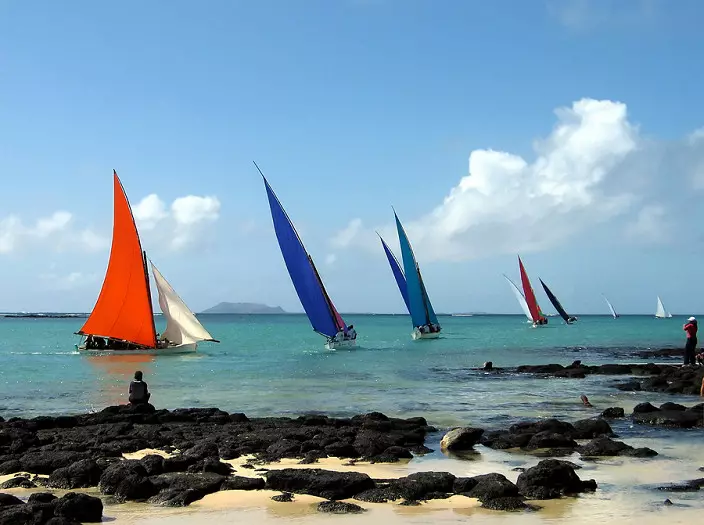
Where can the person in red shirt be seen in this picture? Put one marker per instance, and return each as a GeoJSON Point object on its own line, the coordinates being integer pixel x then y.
{"type": "Point", "coordinates": [690, 346]}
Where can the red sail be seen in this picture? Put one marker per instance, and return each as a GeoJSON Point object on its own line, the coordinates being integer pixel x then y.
{"type": "Point", "coordinates": [535, 312]}
{"type": "Point", "coordinates": [124, 308]}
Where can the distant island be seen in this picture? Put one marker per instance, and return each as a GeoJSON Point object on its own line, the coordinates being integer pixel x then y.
{"type": "Point", "coordinates": [243, 308]}
{"type": "Point", "coordinates": [40, 315]}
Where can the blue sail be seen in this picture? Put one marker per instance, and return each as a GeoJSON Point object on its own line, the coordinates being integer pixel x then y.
{"type": "Point", "coordinates": [303, 274]}
{"type": "Point", "coordinates": [431, 312]}
{"type": "Point", "coordinates": [416, 294]}
{"type": "Point", "coordinates": [398, 273]}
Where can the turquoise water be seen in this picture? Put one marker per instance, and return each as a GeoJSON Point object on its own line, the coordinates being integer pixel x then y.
{"type": "Point", "coordinates": [276, 365]}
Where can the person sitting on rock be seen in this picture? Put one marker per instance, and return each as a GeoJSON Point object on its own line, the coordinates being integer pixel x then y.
{"type": "Point", "coordinates": [139, 391]}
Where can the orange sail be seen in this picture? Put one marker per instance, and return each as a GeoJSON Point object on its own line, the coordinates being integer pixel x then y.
{"type": "Point", "coordinates": [124, 307]}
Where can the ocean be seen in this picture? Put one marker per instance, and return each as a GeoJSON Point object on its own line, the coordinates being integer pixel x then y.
{"type": "Point", "coordinates": [276, 364]}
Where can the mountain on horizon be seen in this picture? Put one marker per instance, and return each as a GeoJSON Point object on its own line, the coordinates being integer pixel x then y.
{"type": "Point", "coordinates": [243, 308]}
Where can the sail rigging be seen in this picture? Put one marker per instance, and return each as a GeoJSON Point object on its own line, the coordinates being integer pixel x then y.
{"type": "Point", "coordinates": [310, 289]}
{"type": "Point", "coordinates": [535, 312]}
{"type": "Point", "coordinates": [398, 273]}
{"type": "Point", "coordinates": [613, 312]}
{"type": "Point", "coordinates": [124, 310]}
{"type": "Point", "coordinates": [555, 302]}
{"type": "Point", "coordinates": [182, 326]}
{"type": "Point", "coordinates": [660, 311]}
{"type": "Point", "coordinates": [419, 306]}
{"type": "Point", "coordinates": [520, 298]}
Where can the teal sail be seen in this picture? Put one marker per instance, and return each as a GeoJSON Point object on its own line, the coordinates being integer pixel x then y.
{"type": "Point", "coordinates": [421, 310]}
{"type": "Point", "coordinates": [309, 287]}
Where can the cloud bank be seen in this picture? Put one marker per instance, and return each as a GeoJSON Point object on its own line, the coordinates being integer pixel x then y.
{"type": "Point", "coordinates": [592, 168]}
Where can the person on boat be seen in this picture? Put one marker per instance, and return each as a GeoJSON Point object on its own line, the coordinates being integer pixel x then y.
{"type": "Point", "coordinates": [90, 343]}
{"type": "Point", "coordinates": [571, 319]}
{"type": "Point", "coordinates": [99, 343]}
{"type": "Point", "coordinates": [139, 391]}
{"type": "Point", "coordinates": [423, 329]}
{"type": "Point", "coordinates": [351, 332]}
{"type": "Point", "coordinates": [690, 345]}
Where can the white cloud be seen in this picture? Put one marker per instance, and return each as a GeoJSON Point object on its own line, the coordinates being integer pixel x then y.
{"type": "Point", "coordinates": [507, 204]}
{"type": "Point", "coordinates": [53, 232]}
{"type": "Point", "coordinates": [330, 259]}
{"type": "Point", "coordinates": [193, 209]}
{"type": "Point", "coordinates": [149, 212]}
{"type": "Point", "coordinates": [696, 136]}
{"type": "Point", "coordinates": [650, 225]}
{"type": "Point", "coordinates": [343, 238]}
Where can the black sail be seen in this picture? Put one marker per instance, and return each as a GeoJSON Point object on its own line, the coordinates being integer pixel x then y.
{"type": "Point", "coordinates": [555, 302]}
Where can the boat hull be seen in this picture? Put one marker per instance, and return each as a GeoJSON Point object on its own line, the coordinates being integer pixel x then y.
{"type": "Point", "coordinates": [170, 350]}
{"type": "Point", "coordinates": [341, 345]}
{"type": "Point", "coordinates": [417, 334]}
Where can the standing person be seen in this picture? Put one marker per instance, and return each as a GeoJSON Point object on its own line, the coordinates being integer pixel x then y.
{"type": "Point", "coordinates": [690, 346]}
{"type": "Point", "coordinates": [139, 391]}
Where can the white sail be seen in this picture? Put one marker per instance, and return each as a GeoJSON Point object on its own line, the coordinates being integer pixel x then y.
{"type": "Point", "coordinates": [613, 312]}
{"type": "Point", "coordinates": [660, 312]}
{"type": "Point", "coordinates": [521, 298]}
{"type": "Point", "coordinates": [182, 327]}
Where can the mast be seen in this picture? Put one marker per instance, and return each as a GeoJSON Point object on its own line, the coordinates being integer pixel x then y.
{"type": "Point", "coordinates": [149, 291]}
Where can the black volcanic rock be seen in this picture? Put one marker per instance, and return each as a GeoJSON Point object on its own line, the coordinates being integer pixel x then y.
{"type": "Point", "coordinates": [317, 482]}
{"type": "Point", "coordinates": [551, 479]}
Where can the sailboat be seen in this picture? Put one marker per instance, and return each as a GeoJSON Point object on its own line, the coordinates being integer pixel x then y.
{"type": "Point", "coordinates": [611, 308]}
{"type": "Point", "coordinates": [660, 311]}
{"type": "Point", "coordinates": [556, 303]}
{"type": "Point", "coordinates": [316, 302]}
{"type": "Point", "coordinates": [398, 273]}
{"type": "Point", "coordinates": [425, 322]}
{"type": "Point", "coordinates": [520, 298]}
{"type": "Point", "coordinates": [123, 314]}
{"type": "Point", "coordinates": [536, 314]}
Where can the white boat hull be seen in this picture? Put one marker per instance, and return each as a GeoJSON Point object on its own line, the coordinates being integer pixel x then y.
{"type": "Point", "coordinates": [341, 345]}
{"type": "Point", "coordinates": [170, 350]}
{"type": "Point", "coordinates": [417, 334]}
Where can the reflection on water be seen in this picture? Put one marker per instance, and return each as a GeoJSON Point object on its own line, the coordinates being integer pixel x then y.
{"type": "Point", "coordinates": [114, 373]}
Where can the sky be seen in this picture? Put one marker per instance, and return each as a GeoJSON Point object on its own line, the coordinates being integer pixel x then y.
{"type": "Point", "coordinates": [569, 131]}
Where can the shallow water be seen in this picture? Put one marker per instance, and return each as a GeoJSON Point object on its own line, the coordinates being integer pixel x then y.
{"type": "Point", "coordinates": [276, 364]}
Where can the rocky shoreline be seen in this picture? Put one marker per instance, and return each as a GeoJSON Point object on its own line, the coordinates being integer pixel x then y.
{"type": "Point", "coordinates": [647, 377]}
{"type": "Point", "coordinates": [198, 446]}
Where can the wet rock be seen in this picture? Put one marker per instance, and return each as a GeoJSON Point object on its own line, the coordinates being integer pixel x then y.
{"type": "Point", "coordinates": [10, 467]}
{"type": "Point", "coordinates": [153, 464]}
{"type": "Point", "coordinates": [629, 386]}
{"type": "Point", "coordinates": [460, 439]}
{"type": "Point", "coordinates": [613, 413]}
{"type": "Point", "coordinates": [392, 455]}
{"type": "Point", "coordinates": [181, 489]}
{"type": "Point", "coordinates": [420, 485]}
{"type": "Point", "coordinates": [644, 408]}
{"type": "Point", "coordinates": [670, 415]}
{"type": "Point", "coordinates": [18, 482]}
{"type": "Point", "coordinates": [46, 462]}
{"type": "Point", "coordinates": [509, 504]}
{"type": "Point", "coordinates": [284, 497]}
{"type": "Point", "coordinates": [7, 500]}
{"type": "Point", "coordinates": [203, 450]}
{"type": "Point", "coordinates": [667, 502]}
{"type": "Point", "coordinates": [84, 473]}
{"type": "Point", "coordinates": [551, 479]}
{"type": "Point", "coordinates": [550, 440]}
{"type": "Point", "coordinates": [41, 497]}
{"type": "Point", "coordinates": [603, 447]}
{"type": "Point", "coordinates": [62, 521]}
{"type": "Point", "coordinates": [591, 428]}
{"type": "Point", "coordinates": [126, 480]}
{"type": "Point", "coordinates": [540, 369]}
{"type": "Point", "coordinates": [409, 503]}
{"type": "Point", "coordinates": [213, 465]}
{"type": "Point", "coordinates": [243, 483]}
{"type": "Point", "coordinates": [317, 482]}
{"type": "Point", "coordinates": [79, 507]}
{"type": "Point", "coordinates": [491, 486]}
{"type": "Point", "coordinates": [686, 486]}
{"type": "Point", "coordinates": [339, 507]}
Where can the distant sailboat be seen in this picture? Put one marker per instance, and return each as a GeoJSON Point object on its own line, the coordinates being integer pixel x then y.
{"type": "Point", "coordinates": [536, 314]}
{"type": "Point", "coordinates": [321, 312]}
{"type": "Point", "coordinates": [123, 313]}
{"type": "Point", "coordinates": [397, 271]}
{"type": "Point", "coordinates": [613, 312]}
{"type": "Point", "coordinates": [556, 303]}
{"type": "Point", "coordinates": [520, 298]}
{"type": "Point", "coordinates": [660, 311]}
{"type": "Point", "coordinates": [425, 322]}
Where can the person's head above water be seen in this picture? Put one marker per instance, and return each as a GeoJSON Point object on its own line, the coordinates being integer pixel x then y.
{"type": "Point", "coordinates": [692, 319]}
{"type": "Point", "coordinates": [350, 326]}
{"type": "Point", "coordinates": [138, 375]}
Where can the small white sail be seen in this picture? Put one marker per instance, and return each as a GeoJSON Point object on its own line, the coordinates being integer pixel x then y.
{"type": "Point", "coordinates": [521, 299]}
{"type": "Point", "coordinates": [613, 312]}
{"type": "Point", "coordinates": [182, 326]}
{"type": "Point", "coordinates": [660, 311]}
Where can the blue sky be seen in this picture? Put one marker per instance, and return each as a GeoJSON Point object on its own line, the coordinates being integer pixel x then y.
{"type": "Point", "coordinates": [349, 107]}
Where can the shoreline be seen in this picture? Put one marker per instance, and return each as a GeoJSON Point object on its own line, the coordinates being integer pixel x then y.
{"type": "Point", "coordinates": [206, 460]}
